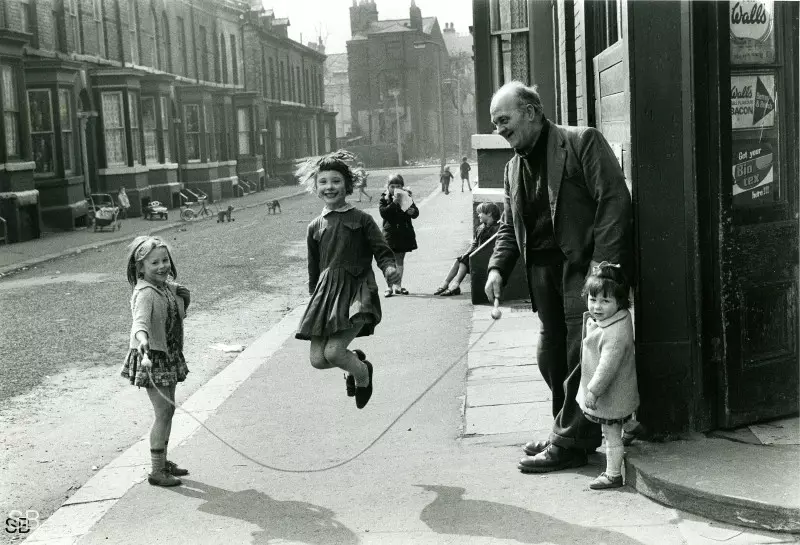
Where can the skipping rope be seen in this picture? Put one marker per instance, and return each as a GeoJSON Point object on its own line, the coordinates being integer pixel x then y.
{"type": "Point", "coordinates": [359, 453]}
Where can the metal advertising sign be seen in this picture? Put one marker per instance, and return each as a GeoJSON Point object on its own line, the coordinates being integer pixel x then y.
{"type": "Point", "coordinates": [752, 32]}
{"type": "Point", "coordinates": [753, 172]}
{"type": "Point", "coordinates": [752, 101]}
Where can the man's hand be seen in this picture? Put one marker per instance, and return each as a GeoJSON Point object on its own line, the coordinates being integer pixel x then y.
{"type": "Point", "coordinates": [494, 285]}
{"type": "Point", "coordinates": [392, 276]}
{"type": "Point", "coordinates": [183, 293]}
{"type": "Point", "coordinates": [590, 400]}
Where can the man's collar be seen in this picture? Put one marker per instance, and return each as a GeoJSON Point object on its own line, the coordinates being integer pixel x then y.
{"type": "Point", "coordinates": [345, 208]}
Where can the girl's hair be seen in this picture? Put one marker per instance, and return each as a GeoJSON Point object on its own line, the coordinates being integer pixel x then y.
{"type": "Point", "coordinates": [140, 248]}
{"type": "Point", "coordinates": [396, 179]}
{"type": "Point", "coordinates": [608, 279]}
{"type": "Point", "coordinates": [490, 209]}
{"type": "Point", "coordinates": [337, 161]}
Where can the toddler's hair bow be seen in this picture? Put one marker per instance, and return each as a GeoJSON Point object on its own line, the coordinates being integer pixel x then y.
{"type": "Point", "coordinates": [597, 269]}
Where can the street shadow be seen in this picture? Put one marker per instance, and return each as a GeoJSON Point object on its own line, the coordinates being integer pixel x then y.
{"type": "Point", "coordinates": [450, 513]}
{"type": "Point", "coordinates": [280, 521]}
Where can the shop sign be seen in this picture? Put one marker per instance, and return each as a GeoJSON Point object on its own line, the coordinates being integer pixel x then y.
{"type": "Point", "coordinates": [752, 101]}
{"type": "Point", "coordinates": [753, 172]}
{"type": "Point", "coordinates": [752, 32]}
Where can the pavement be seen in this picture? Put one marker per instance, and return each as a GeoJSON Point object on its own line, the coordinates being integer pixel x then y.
{"type": "Point", "coordinates": [484, 378]}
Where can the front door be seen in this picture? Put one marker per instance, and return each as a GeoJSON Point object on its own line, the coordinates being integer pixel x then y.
{"type": "Point", "coordinates": [758, 212]}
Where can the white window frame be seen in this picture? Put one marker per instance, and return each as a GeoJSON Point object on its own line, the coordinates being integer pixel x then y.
{"type": "Point", "coordinates": [97, 11]}
{"type": "Point", "coordinates": [244, 139]}
{"type": "Point", "coordinates": [193, 134]}
{"type": "Point", "coordinates": [133, 26]}
{"type": "Point", "coordinates": [165, 139]}
{"type": "Point", "coordinates": [120, 156]}
{"type": "Point", "coordinates": [150, 131]}
{"type": "Point", "coordinates": [11, 113]}
{"type": "Point", "coordinates": [278, 140]}
{"type": "Point", "coordinates": [133, 112]}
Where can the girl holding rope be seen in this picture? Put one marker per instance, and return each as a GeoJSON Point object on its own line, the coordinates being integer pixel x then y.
{"type": "Point", "coordinates": [155, 360]}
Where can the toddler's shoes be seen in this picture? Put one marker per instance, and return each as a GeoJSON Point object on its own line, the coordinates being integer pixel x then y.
{"type": "Point", "coordinates": [606, 481]}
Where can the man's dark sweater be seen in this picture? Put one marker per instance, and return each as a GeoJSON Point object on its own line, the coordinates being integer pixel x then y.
{"type": "Point", "coordinates": [542, 246]}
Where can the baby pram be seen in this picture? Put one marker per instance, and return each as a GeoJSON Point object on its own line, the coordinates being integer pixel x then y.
{"type": "Point", "coordinates": [106, 214]}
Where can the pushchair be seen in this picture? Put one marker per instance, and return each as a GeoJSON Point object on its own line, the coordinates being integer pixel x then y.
{"type": "Point", "coordinates": [106, 212]}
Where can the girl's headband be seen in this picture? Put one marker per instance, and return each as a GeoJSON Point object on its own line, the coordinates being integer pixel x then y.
{"type": "Point", "coordinates": [146, 246]}
{"type": "Point", "coordinates": [597, 269]}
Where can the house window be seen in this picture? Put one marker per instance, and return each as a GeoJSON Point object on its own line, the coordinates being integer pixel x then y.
{"type": "Point", "coordinates": [509, 41]}
{"type": "Point", "coordinates": [133, 25]}
{"type": "Point", "coordinates": [114, 129]}
{"type": "Point", "coordinates": [149, 129]}
{"type": "Point", "coordinates": [65, 116]}
{"type": "Point", "coordinates": [155, 41]}
{"type": "Point", "coordinates": [26, 15]}
{"type": "Point", "coordinates": [224, 56]}
{"type": "Point", "coordinates": [282, 81]}
{"type": "Point", "coordinates": [210, 152]}
{"type": "Point", "coordinates": [133, 111]}
{"type": "Point", "coordinates": [327, 131]}
{"type": "Point", "coordinates": [42, 134]}
{"type": "Point", "coordinates": [165, 131]}
{"type": "Point", "coordinates": [182, 44]}
{"type": "Point", "coordinates": [244, 130]}
{"type": "Point", "coordinates": [278, 140]}
{"type": "Point", "coordinates": [77, 36]}
{"type": "Point", "coordinates": [97, 8]}
{"type": "Point", "coordinates": [605, 16]}
{"type": "Point", "coordinates": [298, 87]}
{"type": "Point", "coordinates": [234, 60]}
{"type": "Point", "coordinates": [272, 79]}
{"type": "Point", "coordinates": [221, 133]}
{"type": "Point", "coordinates": [165, 43]}
{"type": "Point", "coordinates": [10, 111]}
{"type": "Point", "coordinates": [203, 45]}
{"type": "Point", "coordinates": [191, 114]}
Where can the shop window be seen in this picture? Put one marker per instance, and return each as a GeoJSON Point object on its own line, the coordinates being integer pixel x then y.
{"type": "Point", "coordinates": [509, 41]}
{"type": "Point", "coordinates": [165, 140]}
{"type": "Point", "coordinates": [133, 112]}
{"type": "Point", "coordinates": [133, 25]}
{"type": "Point", "coordinates": [42, 133]}
{"type": "Point", "coordinates": [114, 129]}
{"type": "Point", "coordinates": [757, 78]}
{"type": "Point", "coordinates": [244, 130]}
{"type": "Point", "coordinates": [278, 140]}
{"type": "Point", "coordinates": [10, 104]}
{"type": "Point", "coordinates": [67, 142]}
{"type": "Point", "coordinates": [191, 114]}
{"type": "Point", "coordinates": [221, 133]}
{"type": "Point", "coordinates": [149, 130]}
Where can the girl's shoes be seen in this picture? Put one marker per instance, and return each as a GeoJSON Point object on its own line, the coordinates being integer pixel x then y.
{"type": "Point", "coordinates": [350, 380]}
{"type": "Point", "coordinates": [448, 292]}
{"type": "Point", "coordinates": [173, 469]}
{"type": "Point", "coordinates": [163, 478]}
{"type": "Point", "coordinates": [606, 481]}
{"type": "Point", "coordinates": [402, 291]}
{"type": "Point", "coordinates": [363, 393]}
{"type": "Point", "coordinates": [388, 293]}
{"type": "Point", "coordinates": [440, 290]}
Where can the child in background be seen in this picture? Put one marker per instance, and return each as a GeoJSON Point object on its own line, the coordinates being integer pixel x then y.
{"type": "Point", "coordinates": [445, 178]}
{"type": "Point", "coordinates": [397, 226]}
{"type": "Point", "coordinates": [608, 394]}
{"type": "Point", "coordinates": [344, 303]}
{"type": "Point", "coordinates": [155, 360]}
{"type": "Point", "coordinates": [488, 215]}
{"type": "Point", "coordinates": [362, 182]}
{"type": "Point", "coordinates": [465, 168]}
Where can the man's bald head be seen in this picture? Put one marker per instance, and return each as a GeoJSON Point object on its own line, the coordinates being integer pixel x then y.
{"type": "Point", "coordinates": [523, 94]}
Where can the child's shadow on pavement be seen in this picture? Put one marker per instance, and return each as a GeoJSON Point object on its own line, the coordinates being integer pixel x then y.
{"type": "Point", "coordinates": [292, 521]}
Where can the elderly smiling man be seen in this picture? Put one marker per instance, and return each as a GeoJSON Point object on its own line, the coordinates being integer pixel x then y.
{"type": "Point", "coordinates": [566, 208]}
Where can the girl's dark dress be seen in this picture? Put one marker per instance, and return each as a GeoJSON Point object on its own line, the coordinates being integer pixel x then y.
{"type": "Point", "coordinates": [341, 245]}
{"type": "Point", "coordinates": [397, 227]}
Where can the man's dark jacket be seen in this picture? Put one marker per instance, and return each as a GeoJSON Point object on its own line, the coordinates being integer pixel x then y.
{"type": "Point", "coordinates": [589, 202]}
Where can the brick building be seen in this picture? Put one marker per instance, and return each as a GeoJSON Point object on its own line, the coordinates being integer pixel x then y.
{"type": "Point", "coordinates": [152, 95]}
{"type": "Point", "coordinates": [337, 93]}
{"type": "Point", "coordinates": [391, 79]}
{"type": "Point", "coordinates": [460, 90]}
{"type": "Point", "coordinates": [698, 100]}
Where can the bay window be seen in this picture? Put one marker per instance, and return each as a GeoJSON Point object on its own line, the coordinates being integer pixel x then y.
{"type": "Point", "coordinates": [165, 131]}
{"type": "Point", "coordinates": [114, 128]}
{"type": "Point", "coordinates": [10, 105]}
{"type": "Point", "coordinates": [191, 114]}
{"type": "Point", "coordinates": [65, 116]}
{"type": "Point", "coordinates": [133, 112]}
{"type": "Point", "coordinates": [42, 132]}
{"type": "Point", "coordinates": [244, 130]}
{"type": "Point", "coordinates": [149, 129]}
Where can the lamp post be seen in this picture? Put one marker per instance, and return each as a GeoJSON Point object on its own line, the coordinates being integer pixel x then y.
{"type": "Point", "coordinates": [421, 45]}
{"type": "Point", "coordinates": [395, 93]}
{"type": "Point", "coordinates": [458, 110]}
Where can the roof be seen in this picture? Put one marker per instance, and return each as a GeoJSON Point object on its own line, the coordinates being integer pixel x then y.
{"type": "Point", "coordinates": [396, 25]}
{"type": "Point", "coordinates": [458, 43]}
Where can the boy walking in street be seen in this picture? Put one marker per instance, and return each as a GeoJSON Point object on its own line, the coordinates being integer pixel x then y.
{"type": "Point", "coordinates": [465, 168]}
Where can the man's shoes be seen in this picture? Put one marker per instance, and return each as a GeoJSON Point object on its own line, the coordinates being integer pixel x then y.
{"type": "Point", "coordinates": [173, 469]}
{"type": "Point", "coordinates": [364, 393]}
{"type": "Point", "coordinates": [606, 481]}
{"type": "Point", "coordinates": [532, 448]}
{"type": "Point", "coordinates": [553, 458]}
{"type": "Point", "coordinates": [163, 478]}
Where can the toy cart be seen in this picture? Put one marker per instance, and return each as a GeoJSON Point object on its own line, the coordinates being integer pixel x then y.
{"type": "Point", "coordinates": [153, 209]}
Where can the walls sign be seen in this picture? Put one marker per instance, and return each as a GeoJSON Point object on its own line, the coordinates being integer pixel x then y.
{"type": "Point", "coordinates": [752, 101]}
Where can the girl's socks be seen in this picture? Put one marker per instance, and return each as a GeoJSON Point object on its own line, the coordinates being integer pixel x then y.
{"type": "Point", "coordinates": [158, 458]}
{"type": "Point", "coordinates": [614, 460]}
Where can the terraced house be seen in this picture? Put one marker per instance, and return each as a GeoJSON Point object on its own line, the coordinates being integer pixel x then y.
{"type": "Point", "coordinates": [150, 95]}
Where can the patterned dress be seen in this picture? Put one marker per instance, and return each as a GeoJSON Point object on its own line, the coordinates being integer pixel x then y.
{"type": "Point", "coordinates": [341, 246]}
{"type": "Point", "coordinates": [169, 367]}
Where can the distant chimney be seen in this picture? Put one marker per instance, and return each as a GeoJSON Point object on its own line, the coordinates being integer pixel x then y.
{"type": "Point", "coordinates": [449, 28]}
{"type": "Point", "coordinates": [361, 15]}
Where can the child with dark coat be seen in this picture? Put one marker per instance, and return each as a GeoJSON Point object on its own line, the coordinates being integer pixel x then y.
{"type": "Point", "coordinates": [397, 226]}
{"type": "Point", "coordinates": [465, 168]}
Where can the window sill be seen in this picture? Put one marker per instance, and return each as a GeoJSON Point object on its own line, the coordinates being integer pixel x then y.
{"type": "Point", "coordinates": [17, 166]}
{"type": "Point", "coordinates": [163, 166]}
{"type": "Point", "coordinates": [116, 170]}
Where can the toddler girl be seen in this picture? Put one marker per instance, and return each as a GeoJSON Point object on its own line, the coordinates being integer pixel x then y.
{"type": "Point", "coordinates": [608, 394]}
{"type": "Point", "coordinates": [397, 227]}
{"type": "Point", "coordinates": [362, 182]}
{"type": "Point", "coordinates": [155, 359]}
{"type": "Point", "coordinates": [488, 215]}
{"type": "Point", "coordinates": [344, 303]}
